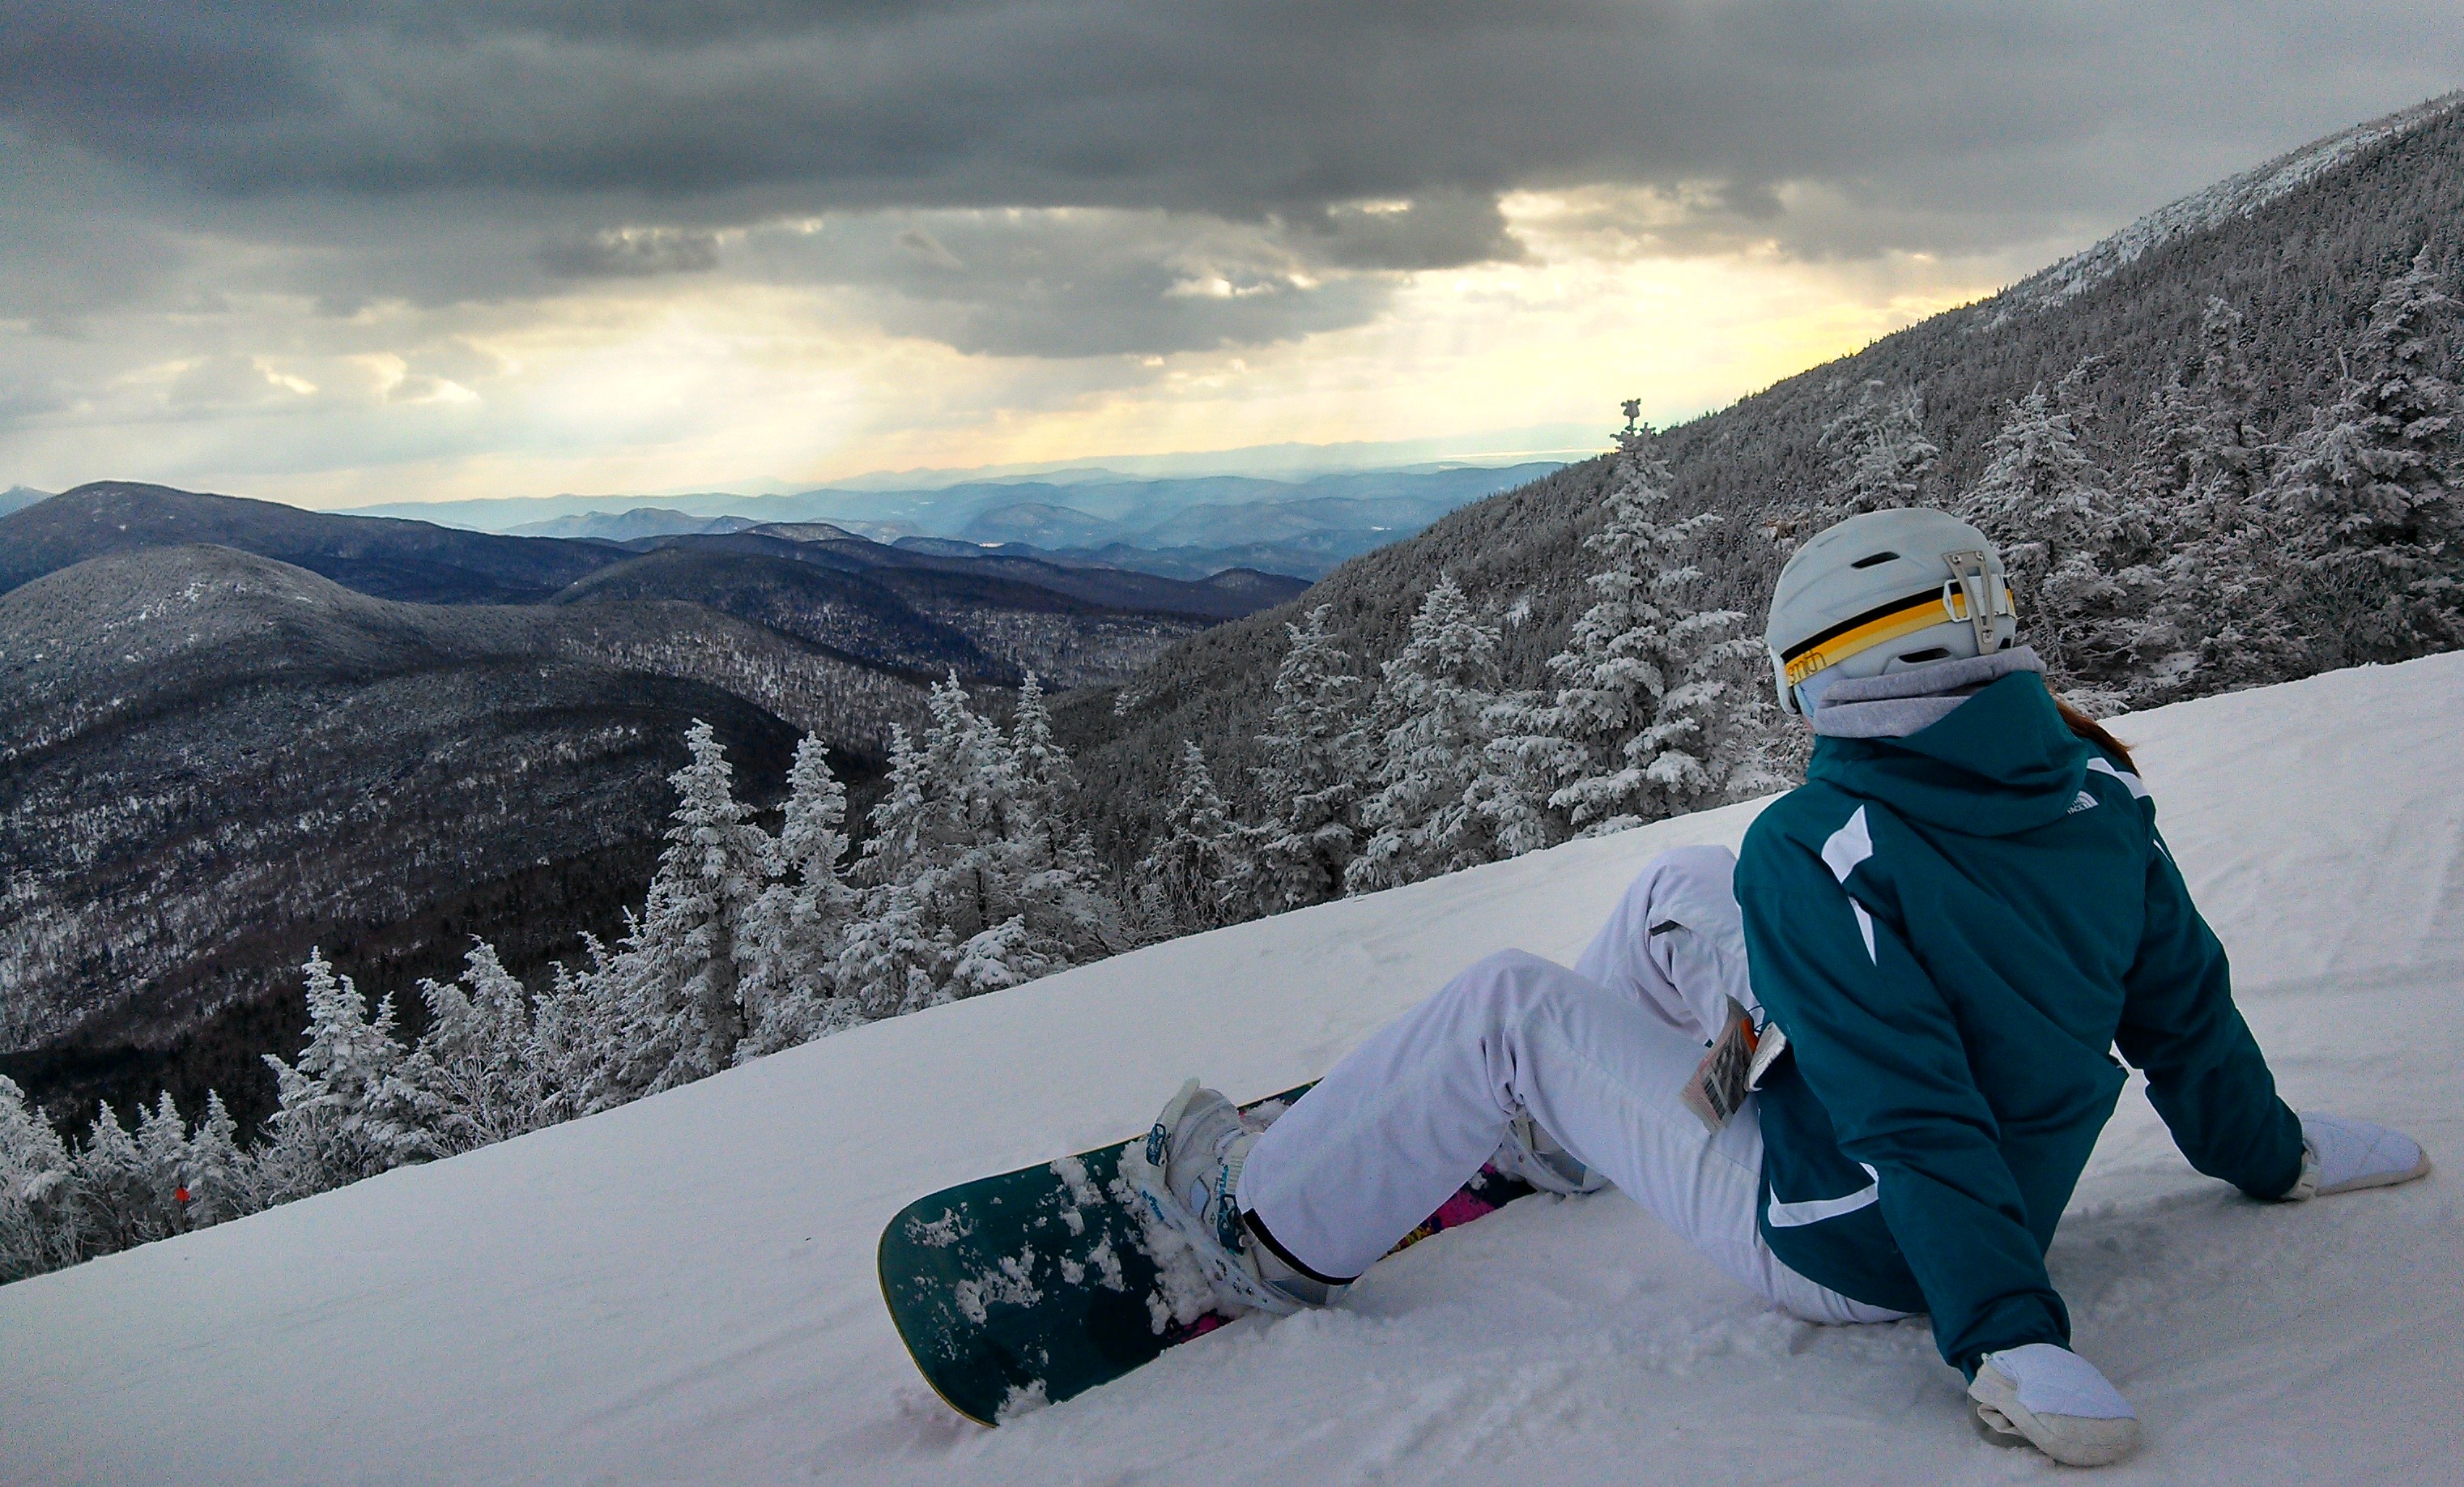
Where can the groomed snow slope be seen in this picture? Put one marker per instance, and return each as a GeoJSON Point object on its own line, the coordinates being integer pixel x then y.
{"type": "Point", "coordinates": [682, 1291]}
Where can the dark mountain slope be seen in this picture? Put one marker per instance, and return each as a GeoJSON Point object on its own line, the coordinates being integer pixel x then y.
{"type": "Point", "coordinates": [2299, 246]}
{"type": "Point", "coordinates": [388, 558]}
{"type": "Point", "coordinates": [1043, 619]}
{"type": "Point", "coordinates": [213, 762]}
{"type": "Point", "coordinates": [829, 607]}
{"type": "Point", "coordinates": [926, 571]}
{"type": "Point", "coordinates": [990, 617]}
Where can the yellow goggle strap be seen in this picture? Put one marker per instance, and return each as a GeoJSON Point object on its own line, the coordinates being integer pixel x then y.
{"type": "Point", "coordinates": [1888, 622]}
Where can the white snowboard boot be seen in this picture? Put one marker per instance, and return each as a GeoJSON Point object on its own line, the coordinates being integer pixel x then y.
{"type": "Point", "coordinates": [2053, 1398]}
{"type": "Point", "coordinates": [2340, 1154]}
{"type": "Point", "coordinates": [1190, 1178]}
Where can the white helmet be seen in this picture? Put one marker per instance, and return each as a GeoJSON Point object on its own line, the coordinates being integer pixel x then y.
{"type": "Point", "coordinates": [1884, 591]}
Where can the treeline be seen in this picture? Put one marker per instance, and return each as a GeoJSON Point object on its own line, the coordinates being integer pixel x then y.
{"type": "Point", "coordinates": [2199, 555]}
{"type": "Point", "coordinates": [972, 880]}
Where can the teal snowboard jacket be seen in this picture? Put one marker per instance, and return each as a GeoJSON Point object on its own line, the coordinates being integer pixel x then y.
{"type": "Point", "coordinates": [1954, 929]}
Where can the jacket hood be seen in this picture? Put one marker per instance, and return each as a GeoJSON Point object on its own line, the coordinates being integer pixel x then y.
{"type": "Point", "coordinates": [2002, 762]}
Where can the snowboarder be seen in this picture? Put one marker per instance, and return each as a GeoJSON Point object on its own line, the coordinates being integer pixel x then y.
{"type": "Point", "coordinates": [1909, 979]}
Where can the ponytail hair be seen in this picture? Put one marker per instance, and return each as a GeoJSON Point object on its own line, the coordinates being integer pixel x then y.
{"type": "Point", "coordinates": [2088, 728]}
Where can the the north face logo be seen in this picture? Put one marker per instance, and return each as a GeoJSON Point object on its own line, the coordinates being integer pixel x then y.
{"type": "Point", "coordinates": [2082, 802]}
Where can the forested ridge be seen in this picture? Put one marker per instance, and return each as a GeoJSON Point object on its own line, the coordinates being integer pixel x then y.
{"type": "Point", "coordinates": [2298, 275]}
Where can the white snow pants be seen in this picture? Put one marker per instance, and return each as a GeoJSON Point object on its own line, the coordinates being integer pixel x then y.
{"type": "Point", "coordinates": [1596, 1055]}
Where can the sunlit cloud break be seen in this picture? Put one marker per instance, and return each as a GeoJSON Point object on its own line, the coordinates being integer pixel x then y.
{"type": "Point", "coordinates": [366, 252]}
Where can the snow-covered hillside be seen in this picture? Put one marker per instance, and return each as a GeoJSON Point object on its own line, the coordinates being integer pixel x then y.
{"type": "Point", "coordinates": [682, 1290]}
{"type": "Point", "coordinates": [2237, 196]}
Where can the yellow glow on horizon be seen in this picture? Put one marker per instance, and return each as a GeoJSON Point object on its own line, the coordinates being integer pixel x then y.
{"type": "Point", "coordinates": [679, 386]}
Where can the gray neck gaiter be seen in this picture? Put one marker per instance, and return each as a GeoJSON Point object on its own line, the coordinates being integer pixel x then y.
{"type": "Point", "coordinates": [1898, 703]}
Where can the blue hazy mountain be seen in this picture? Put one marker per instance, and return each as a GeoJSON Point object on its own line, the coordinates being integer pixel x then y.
{"type": "Point", "coordinates": [1185, 528]}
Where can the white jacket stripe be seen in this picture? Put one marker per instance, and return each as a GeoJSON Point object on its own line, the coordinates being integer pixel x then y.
{"type": "Point", "coordinates": [1814, 1211]}
{"type": "Point", "coordinates": [2137, 787]}
{"type": "Point", "coordinates": [1847, 846]}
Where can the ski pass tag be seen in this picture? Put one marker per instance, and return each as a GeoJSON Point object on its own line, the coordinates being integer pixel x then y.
{"type": "Point", "coordinates": [1718, 1085]}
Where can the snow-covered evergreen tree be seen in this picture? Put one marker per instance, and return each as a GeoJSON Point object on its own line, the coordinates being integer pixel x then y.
{"type": "Point", "coordinates": [39, 1212]}
{"type": "Point", "coordinates": [2201, 559]}
{"type": "Point", "coordinates": [1046, 784]}
{"type": "Point", "coordinates": [164, 1155]}
{"type": "Point", "coordinates": [2229, 450]}
{"type": "Point", "coordinates": [114, 1190]}
{"type": "Point", "coordinates": [576, 1036]}
{"type": "Point", "coordinates": [1309, 785]}
{"type": "Point", "coordinates": [1438, 789]}
{"type": "Point", "coordinates": [1884, 456]}
{"type": "Point", "coordinates": [672, 987]}
{"type": "Point", "coordinates": [799, 924]}
{"type": "Point", "coordinates": [893, 959]}
{"type": "Point", "coordinates": [477, 1075]}
{"type": "Point", "coordinates": [967, 840]}
{"type": "Point", "coordinates": [2158, 480]}
{"type": "Point", "coordinates": [1196, 877]}
{"type": "Point", "coordinates": [344, 1114]}
{"type": "Point", "coordinates": [2373, 491]}
{"type": "Point", "coordinates": [220, 1175]}
{"type": "Point", "coordinates": [1062, 902]}
{"type": "Point", "coordinates": [1655, 713]}
{"type": "Point", "coordinates": [2049, 509]}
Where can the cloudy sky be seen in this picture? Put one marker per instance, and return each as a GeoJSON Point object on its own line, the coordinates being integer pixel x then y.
{"type": "Point", "coordinates": [361, 250]}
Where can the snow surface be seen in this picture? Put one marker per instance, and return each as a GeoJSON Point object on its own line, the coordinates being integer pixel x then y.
{"type": "Point", "coordinates": [682, 1291]}
{"type": "Point", "coordinates": [2219, 204]}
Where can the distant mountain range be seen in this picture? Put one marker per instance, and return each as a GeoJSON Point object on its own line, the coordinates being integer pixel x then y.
{"type": "Point", "coordinates": [1027, 612]}
{"type": "Point", "coordinates": [1187, 527]}
{"type": "Point", "coordinates": [617, 526]}
{"type": "Point", "coordinates": [17, 498]}
{"type": "Point", "coordinates": [411, 561]}
{"type": "Point", "coordinates": [236, 730]}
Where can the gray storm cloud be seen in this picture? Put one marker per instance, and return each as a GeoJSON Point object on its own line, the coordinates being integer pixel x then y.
{"type": "Point", "coordinates": [1076, 177]}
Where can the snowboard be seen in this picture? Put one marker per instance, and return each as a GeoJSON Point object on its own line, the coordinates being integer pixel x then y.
{"type": "Point", "coordinates": [1024, 1289]}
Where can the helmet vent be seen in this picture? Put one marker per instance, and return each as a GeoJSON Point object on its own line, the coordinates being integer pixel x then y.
{"type": "Point", "coordinates": [1920, 657]}
{"type": "Point", "coordinates": [1869, 562]}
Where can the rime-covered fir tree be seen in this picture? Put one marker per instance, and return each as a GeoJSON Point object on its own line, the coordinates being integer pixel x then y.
{"type": "Point", "coordinates": [113, 1189]}
{"type": "Point", "coordinates": [478, 1075]}
{"type": "Point", "coordinates": [1045, 782]}
{"type": "Point", "coordinates": [966, 890]}
{"type": "Point", "coordinates": [344, 1115]}
{"type": "Point", "coordinates": [2227, 468]}
{"type": "Point", "coordinates": [1433, 806]}
{"type": "Point", "coordinates": [2048, 507]}
{"type": "Point", "coordinates": [799, 924]}
{"type": "Point", "coordinates": [672, 987]}
{"type": "Point", "coordinates": [1065, 912]}
{"type": "Point", "coordinates": [1651, 717]}
{"type": "Point", "coordinates": [1061, 897]}
{"type": "Point", "coordinates": [39, 1212]}
{"type": "Point", "coordinates": [1881, 452]}
{"type": "Point", "coordinates": [1309, 787]}
{"type": "Point", "coordinates": [2205, 574]}
{"type": "Point", "coordinates": [2371, 493]}
{"type": "Point", "coordinates": [220, 1175]}
{"type": "Point", "coordinates": [1195, 876]}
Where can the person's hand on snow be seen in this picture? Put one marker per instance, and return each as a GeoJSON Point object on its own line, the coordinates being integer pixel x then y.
{"type": "Point", "coordinates": [2340, 1154]}
{"type": "Point", "coordinates": [2056, 1401]}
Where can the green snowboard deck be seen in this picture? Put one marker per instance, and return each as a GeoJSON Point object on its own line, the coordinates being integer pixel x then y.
{"type": "Point", "coordinates": [1036, 1285]}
